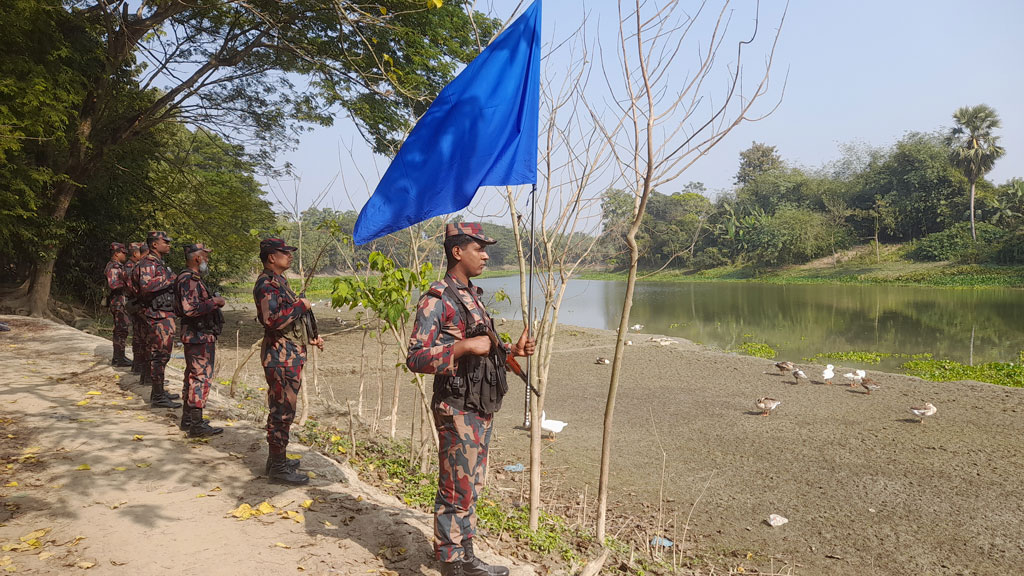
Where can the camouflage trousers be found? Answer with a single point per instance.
(199, 359)
(160, 340)
(138, 342)
(283, 383)
(122, 324)
(463, 439)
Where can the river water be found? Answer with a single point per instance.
(799, 321)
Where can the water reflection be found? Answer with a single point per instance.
(803, 320)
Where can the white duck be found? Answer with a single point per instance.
(636, 327)
(553, 426)
(855, 377)
(923, 411)
(828, 373)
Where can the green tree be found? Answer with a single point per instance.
(231, 68)
(974, 147)
(756, 160)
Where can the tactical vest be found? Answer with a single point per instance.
(211, 322)
(480, 382)
(162, 300)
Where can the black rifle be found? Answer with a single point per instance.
(309, 321)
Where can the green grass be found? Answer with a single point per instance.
(858, 271)
(758, 349)
(387, 461)
(1002, 373)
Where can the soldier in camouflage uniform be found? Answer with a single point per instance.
(154, 284)
(201, 323)
(136, 250)
(463, 412)
(283, 353)
(116, 280)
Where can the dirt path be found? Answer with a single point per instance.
(118, 489)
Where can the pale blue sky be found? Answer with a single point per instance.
(863, 72)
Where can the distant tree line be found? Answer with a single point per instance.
(920, 191)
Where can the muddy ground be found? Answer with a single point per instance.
(866, 488)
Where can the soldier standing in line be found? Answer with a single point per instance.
(201, 324)
(116, 280)
(136, 250)
(155, 284)
(283, 353)
(469, 383)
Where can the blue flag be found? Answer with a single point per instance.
(480, 131)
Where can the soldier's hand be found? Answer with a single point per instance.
(475, 346)
(526, 346)
(220, 302)
(306, 303)
(319, 343)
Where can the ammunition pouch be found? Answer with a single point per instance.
(131, 305)
(161, 300)
(212, 323)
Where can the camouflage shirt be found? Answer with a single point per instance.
(196, 301)
(150, 276)
(439, 325)
(277, 307)
(116, 280)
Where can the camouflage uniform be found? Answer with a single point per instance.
(200, 345)
(138, 321)
(201, 323)
(153, 278)
(116, 280)
(278, 308)
(464, 436)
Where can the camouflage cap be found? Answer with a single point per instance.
(472, 229)
(157, 235)
(275, 245)
(116, 247)
(191, 248)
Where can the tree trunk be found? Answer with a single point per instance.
(42, 274)
(974, 235)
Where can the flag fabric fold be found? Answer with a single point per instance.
(480, 131)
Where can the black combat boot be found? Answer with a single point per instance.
(200, 428)
(159, 399)
(186, 418)
(120, 361)
(282, 473)
(452, 568)
(473, 566)
(292, 464)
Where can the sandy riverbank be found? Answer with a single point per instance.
(866, 488)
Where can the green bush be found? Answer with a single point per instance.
(955, 244)
(708, 259)
(792, 236)
(1011, 251)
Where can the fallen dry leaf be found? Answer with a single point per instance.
(93, 393)
(84, 467)
(283, 545)
(116, 563)
(118, 505)
(84, 565)
(11, 485)
(82, 403)
(44, 555)
(328, 525)
(120, 468)
(137, 438)
(143, 464)
(296, 516)
(35, 534)
(293, 456)
(306, 504)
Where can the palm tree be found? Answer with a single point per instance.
(974, 149)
